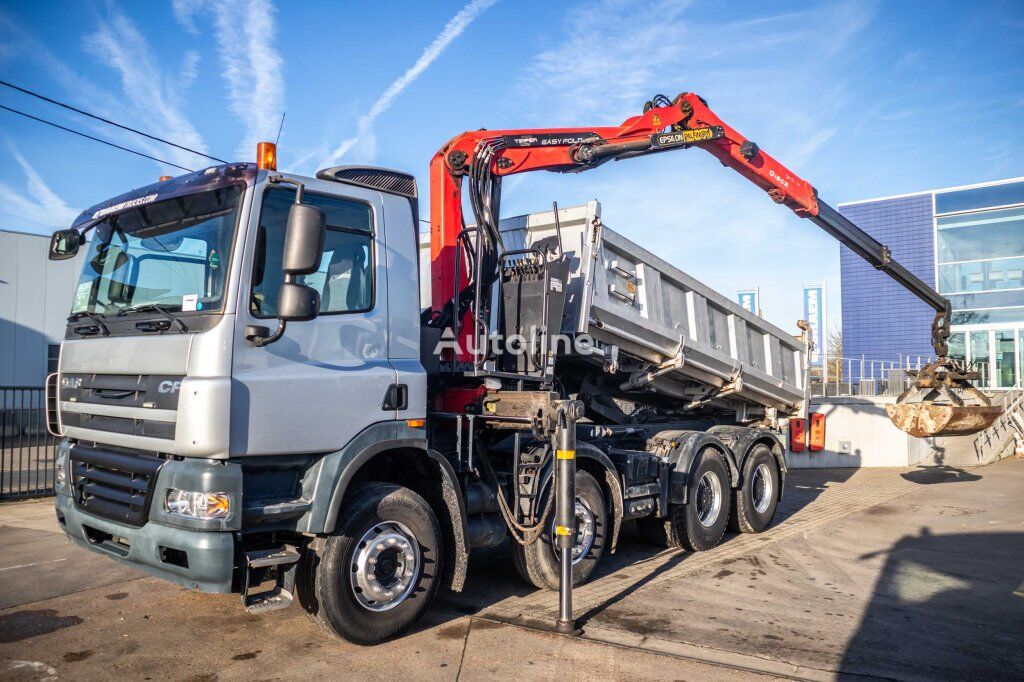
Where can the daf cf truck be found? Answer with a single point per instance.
(252, 399)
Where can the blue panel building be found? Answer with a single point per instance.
(968, 242)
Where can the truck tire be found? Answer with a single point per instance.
(699, 524)
(538, 563)
(754, 502)
(375, 576)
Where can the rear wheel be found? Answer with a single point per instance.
(755, 501)
(374, 578)
(539, 563)
(699, 524)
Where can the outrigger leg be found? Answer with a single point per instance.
(565, 508)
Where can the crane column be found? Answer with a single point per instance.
(565, 507)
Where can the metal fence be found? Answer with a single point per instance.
(26, 448)
(860, 377)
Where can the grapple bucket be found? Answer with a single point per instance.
(942, 402)
(921, 420)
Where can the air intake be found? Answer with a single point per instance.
(383, 179)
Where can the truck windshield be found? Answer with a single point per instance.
(172, 253)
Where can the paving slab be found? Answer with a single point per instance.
(905, 574)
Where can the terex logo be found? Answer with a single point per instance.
(169, 386)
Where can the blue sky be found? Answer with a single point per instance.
(862, 99)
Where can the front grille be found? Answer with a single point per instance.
(123, 390)
(136, 427)
(114, 485)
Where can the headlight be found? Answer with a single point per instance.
(60, 477)
(198, 505)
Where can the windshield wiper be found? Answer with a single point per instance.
(146, 307)
(96, 318)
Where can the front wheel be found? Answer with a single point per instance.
(539, 563)
(375, 576)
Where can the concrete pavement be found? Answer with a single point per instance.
(884, 573)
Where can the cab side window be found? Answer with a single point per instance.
(345, 277)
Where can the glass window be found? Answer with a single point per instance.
(981, 236)
(991, 315)
(172, 253)
(980, 197)
(957, 346)
(1005, 359)
(980, 352)
(345, 277)
(1020, 360)
(994, 275)
(52, 357)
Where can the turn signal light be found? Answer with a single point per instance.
(817, 440)
(266, 156)
(797, 434)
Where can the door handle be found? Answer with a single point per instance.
(396, 398)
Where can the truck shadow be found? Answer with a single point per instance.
(945, 606)
(495, 589)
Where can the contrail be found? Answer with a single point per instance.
(451, 31)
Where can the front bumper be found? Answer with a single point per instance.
(189, 552)
(202, 560)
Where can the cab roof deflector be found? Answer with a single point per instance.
(383, 179)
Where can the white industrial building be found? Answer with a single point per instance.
(35, 298)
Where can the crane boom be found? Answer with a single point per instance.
(484, 157)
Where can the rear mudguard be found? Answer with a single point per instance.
(742, 439)
(685, 450)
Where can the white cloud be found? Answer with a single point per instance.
(253, 69)
(37, 207)
(452, 30)
(154, 95)
(707, 220)
(185, 12)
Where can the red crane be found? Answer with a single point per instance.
(942, 402)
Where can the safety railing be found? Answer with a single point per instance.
(26, 447)
(1008, 428)
(862, 377)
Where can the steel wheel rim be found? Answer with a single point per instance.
(586, 526)
(385, 566)
(709, 499)
(761, 488)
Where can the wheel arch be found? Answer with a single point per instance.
(392, 452)
(595, 462)
(686, 455)
(743, 440)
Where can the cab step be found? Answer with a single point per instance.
(286, 559)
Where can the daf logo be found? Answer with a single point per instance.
(71, 382)
(169, 386)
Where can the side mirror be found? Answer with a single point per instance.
(64, 244)
(302, 253)
(303, 240)
(297, 302)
